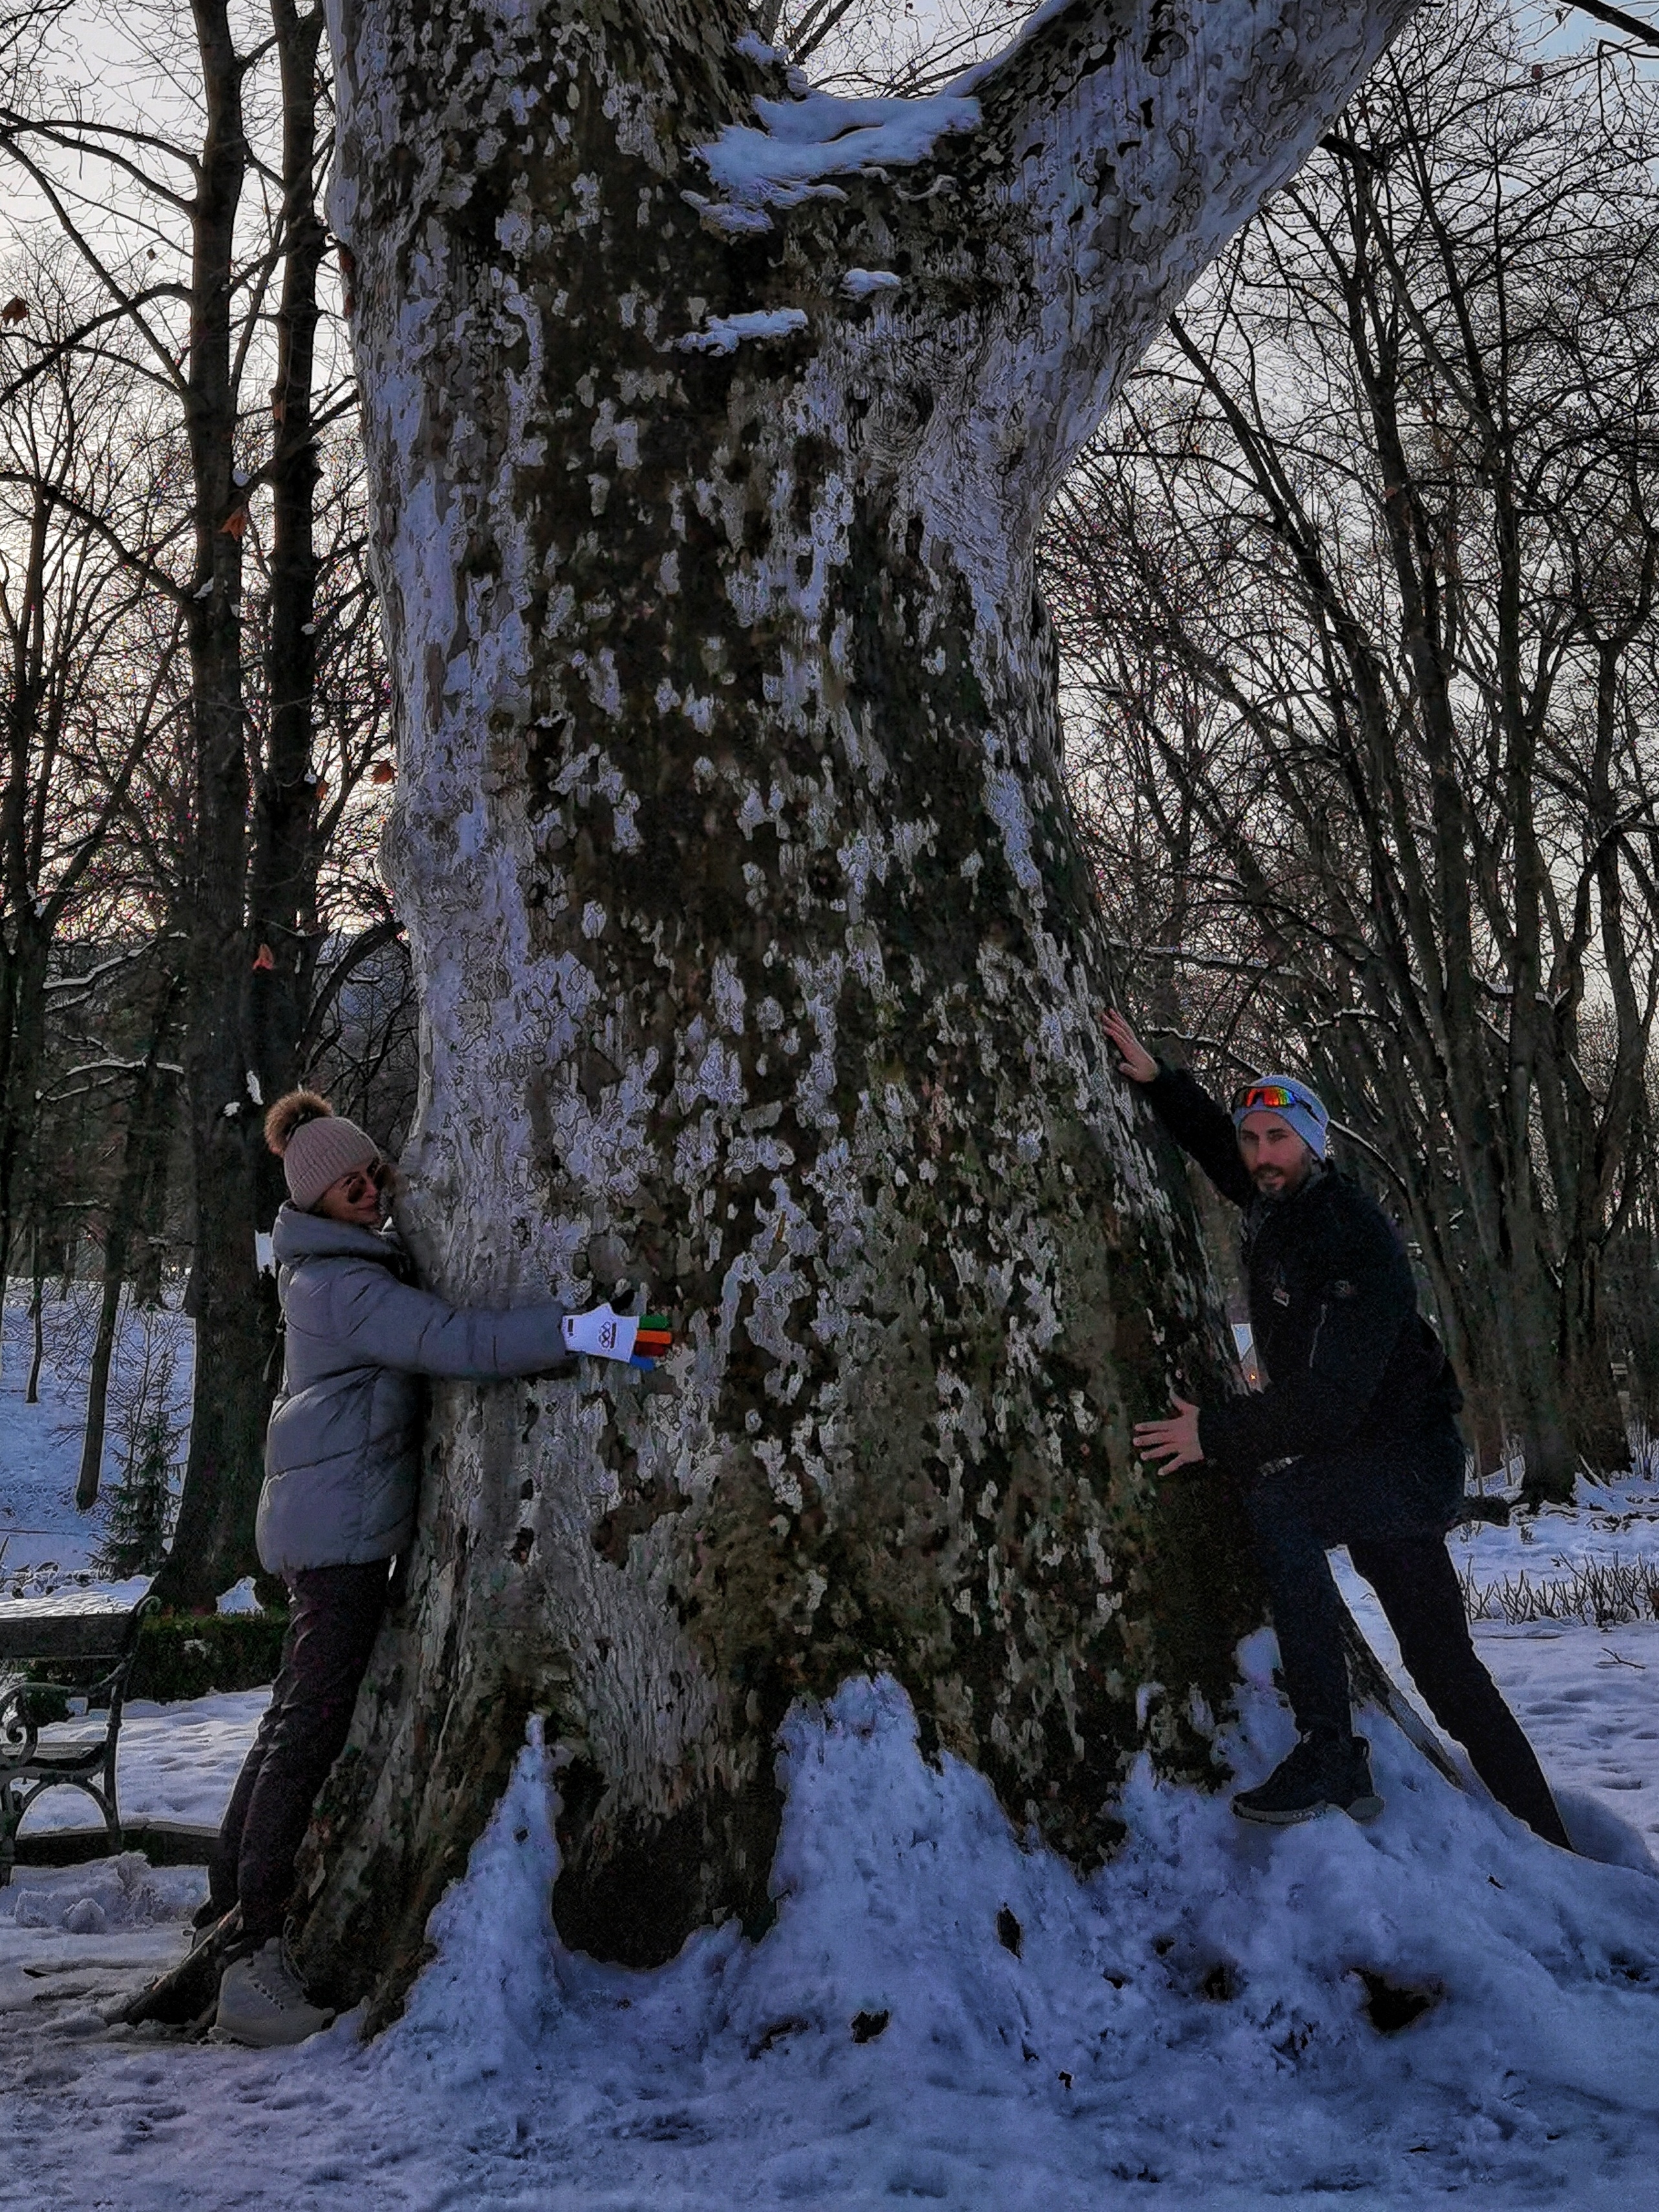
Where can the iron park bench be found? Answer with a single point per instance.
(86, 1645)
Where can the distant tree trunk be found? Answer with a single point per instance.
(1599, 1437)
(23, 976)
(251, 960)
(213, 1540)
(27, 920)
(37, 1316)
(145, 1148)
(284, 888)
(755, 951)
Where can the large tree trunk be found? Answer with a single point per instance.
(754, 951)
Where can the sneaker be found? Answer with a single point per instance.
(1323, 1774)
(262, 2001)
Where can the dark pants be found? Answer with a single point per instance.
(1391, 1509)
(335, 1617)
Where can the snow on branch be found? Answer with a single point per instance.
(724, 334)
(803, 143)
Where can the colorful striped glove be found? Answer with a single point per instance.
(603, 1334)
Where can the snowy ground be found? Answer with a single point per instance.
(1191, 2022)
(38, 1524)
(44, 1540)
(174, 1763)
(1588, 1697)
(940, 2016)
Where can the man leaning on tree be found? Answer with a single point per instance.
(1354, 1440)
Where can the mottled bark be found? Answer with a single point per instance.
(754, 946)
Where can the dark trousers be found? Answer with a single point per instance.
(335, 1617)
(1391, 1511)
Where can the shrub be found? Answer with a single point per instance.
(182, 1655)
(1606, 1592)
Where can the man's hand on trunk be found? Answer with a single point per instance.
(1174, 1442)
(1133, 1057)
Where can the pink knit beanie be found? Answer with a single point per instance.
(315, 1145)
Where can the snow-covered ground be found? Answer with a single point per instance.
(40, 1446)
(174, 1763)
(1613, 1520)
(44, 1541)
(1588, 1697)
(941, 2015)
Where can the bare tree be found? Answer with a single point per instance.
(206, 262)
(1361, 589)
(74, 733)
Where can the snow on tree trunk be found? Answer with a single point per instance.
(710, 422)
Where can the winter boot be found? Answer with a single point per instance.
(1324, 1774)
(262, 2001)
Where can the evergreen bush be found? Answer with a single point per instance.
(139, 1520)
(183, 1655)
(140, 1513)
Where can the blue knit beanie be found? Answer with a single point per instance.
(1291, 1101)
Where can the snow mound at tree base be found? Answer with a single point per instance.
(1436, 2001)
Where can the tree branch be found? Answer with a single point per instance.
(1118, 150)
(1617, 20)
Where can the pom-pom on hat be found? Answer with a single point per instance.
(1291, 1101)
(315, 1145)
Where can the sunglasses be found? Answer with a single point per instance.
(1271, 1097)
(359, 1183)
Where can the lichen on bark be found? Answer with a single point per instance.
(755, 950)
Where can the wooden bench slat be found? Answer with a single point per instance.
(83, 1625)
(62, 1603)
(63, 1639)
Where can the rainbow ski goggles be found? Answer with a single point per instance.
(1282, 1094)
(1268, 1098)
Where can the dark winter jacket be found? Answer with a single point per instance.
(1352, 1365)
(342, 1450)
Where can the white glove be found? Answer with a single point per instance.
(601, 1334)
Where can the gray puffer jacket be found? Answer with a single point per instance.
(344, 1447)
